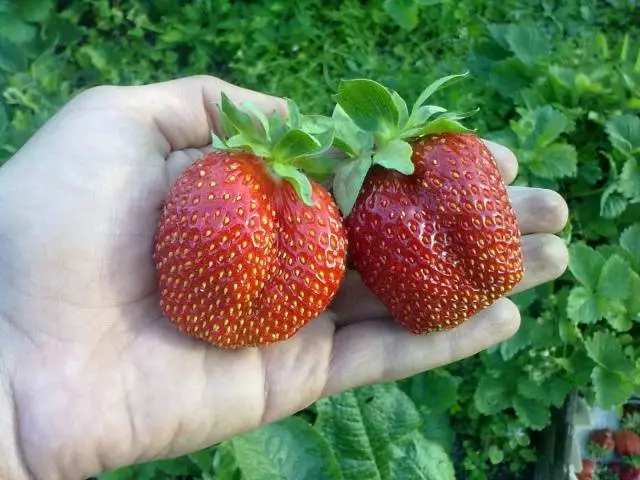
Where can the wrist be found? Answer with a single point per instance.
(12, 466)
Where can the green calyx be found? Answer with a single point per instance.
(293, 148)
(373, 126)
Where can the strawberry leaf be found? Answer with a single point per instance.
(217, 142)
(582, 306)
(288, 449)
(630, 179)
(258, 114)
(420, 389)
(348, 181)
(403, 12)
(417, 457)
(402, 108)
(527, 42)
(318, 168)
(375, 433)
(348, 137)
(241, 142)
(611, 388)
(624, 133)
(630, 240)
(521, 340)
(294, 143)
(294, 119)
(447, 122)
(432, 88)
(542, 126)
(297, 179)
(633, 301)
(605, 349)
(585, 264)
(321, 128)
(534, 415)
(558, 160)
(612, 202)
(422, 115)
(615, 313)
(614, 279)
(242, 122)
(492, 395)
(395, 155)
(369, 104)
(277, 127)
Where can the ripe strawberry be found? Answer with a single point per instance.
(587, 470)
(627, 443)
(431, 229)
(601, 443)
(248, 249)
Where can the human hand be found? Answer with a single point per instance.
(91, 373)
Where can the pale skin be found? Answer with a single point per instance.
(93, 377)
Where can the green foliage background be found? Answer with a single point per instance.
(557, 81)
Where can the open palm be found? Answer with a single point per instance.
(93, 375)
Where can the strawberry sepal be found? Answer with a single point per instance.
(294, 149)
(373, 121)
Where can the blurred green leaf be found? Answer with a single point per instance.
(403, 12)
(610, 388)
(203, 459)
(630, 179)
(582, 306)
(545, 125)
(521, 340)
(585, 264)
(528, 43)
(435, 391)
(437, 427)
(630, 239)
(612, 202)
(491, 396)
(534, 415)
(605, 349)
(557, 160)
(34, 10)
(363, 426)
(12, 58)
(624, 133)
(15, 29)
(288, 449)
(417, 458)
(614, 279)
(495, 455)
(4, 119)
(124, 473)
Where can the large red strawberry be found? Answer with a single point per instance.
(587, 470)
(627, 442)
(431, 229)
(248, 249)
